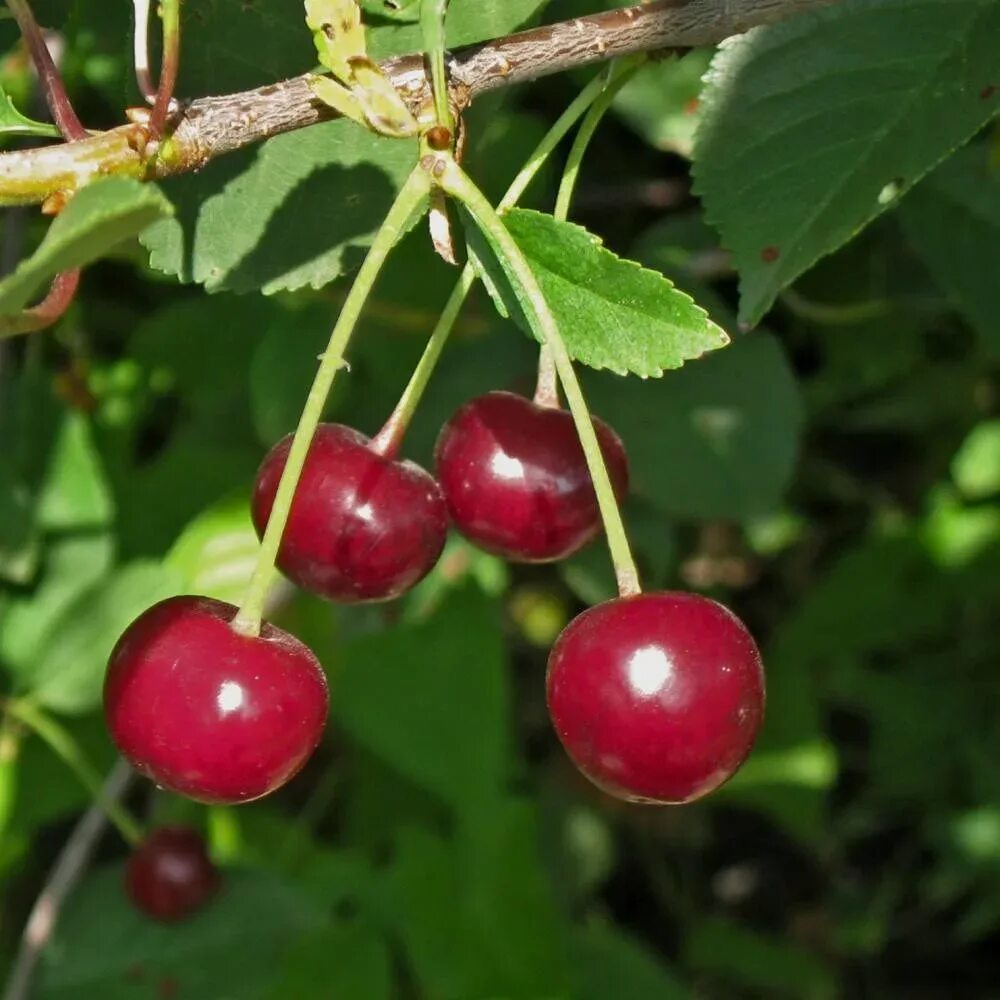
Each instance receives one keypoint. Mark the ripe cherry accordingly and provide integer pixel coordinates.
(516, 480)
(210, 713)
(362, 527)
(170, 874)
(658, 697)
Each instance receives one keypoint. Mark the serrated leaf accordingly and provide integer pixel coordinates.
(338, 33)
(98, 218)
(12, 122)
(297, 212)
(952, 220)
(613, 313)
(384, 108)
(814, 126)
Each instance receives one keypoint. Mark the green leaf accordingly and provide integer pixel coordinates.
(336, 962)
(952, 219)
(716, 439)
(661, 102)
(976, 466)
(75, 493)
(216, 553)
(104, 949)
(98, 218)
(72, 566)
(69, 673)
(299, 211)
(398, 692)
(338, 34)
(813, 126)
(12, 122)
(612, 313)
(607, 962)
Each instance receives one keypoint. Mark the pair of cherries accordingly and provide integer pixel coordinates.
(656, 697)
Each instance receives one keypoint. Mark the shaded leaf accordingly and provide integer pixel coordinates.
(812, 127)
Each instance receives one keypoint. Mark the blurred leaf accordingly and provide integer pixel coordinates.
(612, 313)
(69, 673)
(75, 494)
(953, 221)
(812, 127)
(104, 949)
(239, 223)
(976, 466)
(216, 553)
(72, 566)
(716, 439)
(662, 101)
(12, 122)
(431, 699)
(609, 963)
(338, 963)
(103, 214)
(777, 967)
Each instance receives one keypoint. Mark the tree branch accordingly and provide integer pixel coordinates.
(212, 126)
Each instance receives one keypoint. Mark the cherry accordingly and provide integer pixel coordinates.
(170, 874)
(362, 526)
(210, 713)
(516, 481)
(658, 697)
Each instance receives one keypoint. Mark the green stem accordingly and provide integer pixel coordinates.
(617, 75)
(388, 440)
(407, 203)
(65, 746)
(432, 15)
(457, 183)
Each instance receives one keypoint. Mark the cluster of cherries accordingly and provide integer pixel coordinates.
(656, 697)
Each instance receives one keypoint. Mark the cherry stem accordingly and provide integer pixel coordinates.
(58, 299)
(611, 80)
(170, 14)
(410, 201)
(64, 746)
(388, 440)
(459, 185)
(615, 77)
(48, 73)
(432, 17)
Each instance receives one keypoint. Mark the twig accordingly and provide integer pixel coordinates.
(62, 879)
(48, 73)
(212, 126)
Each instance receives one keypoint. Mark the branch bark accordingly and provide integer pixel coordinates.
(212, 126)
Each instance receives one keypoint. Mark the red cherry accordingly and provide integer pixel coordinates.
(516, 481)
(170, 874)
(210, 713)
(362, 527)
(656, 698)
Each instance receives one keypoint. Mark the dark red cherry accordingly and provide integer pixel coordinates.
(362, 527)
(170, 874)
(210, 713)
(516, 481)
(656, 698)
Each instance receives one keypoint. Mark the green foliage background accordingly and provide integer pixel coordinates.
(833, 475)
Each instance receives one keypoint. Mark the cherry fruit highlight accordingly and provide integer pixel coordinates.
(170, 875)
(516, 481)
(656, 698)
(208, 712)
(362, 526)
